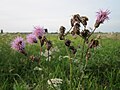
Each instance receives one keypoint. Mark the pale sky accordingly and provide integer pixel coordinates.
(23, 15)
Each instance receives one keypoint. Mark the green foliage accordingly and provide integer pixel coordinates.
(102, 72)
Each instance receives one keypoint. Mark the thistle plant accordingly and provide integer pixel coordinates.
(77, 21)
(85, 34)
(37, 36)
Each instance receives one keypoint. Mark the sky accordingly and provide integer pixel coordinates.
(23, 15)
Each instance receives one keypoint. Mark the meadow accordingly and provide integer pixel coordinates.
(102, 72)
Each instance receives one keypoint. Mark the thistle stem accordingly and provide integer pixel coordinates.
(70, 60)
(68, 31)
(48, 74)
(83, 50)
(40, 51)
(48, 55)
(92, 32)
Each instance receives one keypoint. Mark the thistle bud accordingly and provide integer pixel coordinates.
(44, 39)
(46, 30)
(67, 42)
(73, 49)
(48, 45)
(23, 52)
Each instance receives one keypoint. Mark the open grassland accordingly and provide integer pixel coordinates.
(102, 72)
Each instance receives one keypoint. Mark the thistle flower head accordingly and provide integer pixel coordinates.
(38, 32)
(101, 17)
(18, 44)
(31, 39)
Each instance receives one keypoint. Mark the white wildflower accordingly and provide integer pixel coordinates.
(46, 53)
(55, 49)
(38, 68)
(48, 59)
(56, 82)
(65, 56)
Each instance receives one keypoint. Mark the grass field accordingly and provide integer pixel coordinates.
(18, 72)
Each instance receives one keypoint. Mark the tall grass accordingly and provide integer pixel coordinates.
(101, 73)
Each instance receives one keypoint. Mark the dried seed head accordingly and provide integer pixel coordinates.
(85, 33)
(44, 39)
(93, 43)
(84, 20)
(76, 29)
(77, 25)
(74, 51)
(73, 33)
(72, 48)
(48, 45)
(33, 58)
(62, 29)
(61, 36)
(72, 22)
(76, 17)
(67, 42)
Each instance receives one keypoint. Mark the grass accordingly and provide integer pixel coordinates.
(101, 73)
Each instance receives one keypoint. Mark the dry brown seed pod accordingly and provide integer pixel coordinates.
(76, 17)
(34, 58)
(72, 48)
(84, 20)
(85, 33)
(48, 44)
(67, 42)
(93, 43)
(62, 29)
(44, 39)
(73, 32)
(61, 36)
(72, 21)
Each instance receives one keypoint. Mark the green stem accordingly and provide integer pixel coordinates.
(92, 32)
(70, 74)
(83, 50)
(48, 74)
(70, 60)
(40, 51)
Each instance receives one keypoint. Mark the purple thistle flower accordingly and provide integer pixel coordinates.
(101, 17)
(18, 44)
(31, 39)
(38, 32)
